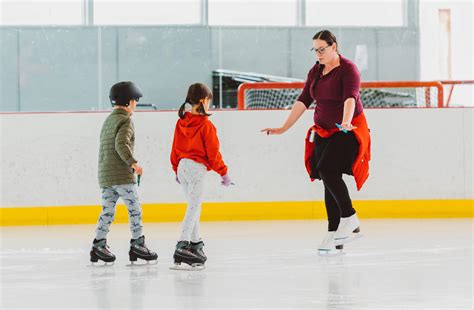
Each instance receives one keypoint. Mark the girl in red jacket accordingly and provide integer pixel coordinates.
(195, 151)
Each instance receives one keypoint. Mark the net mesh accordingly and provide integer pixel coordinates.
(370, 97)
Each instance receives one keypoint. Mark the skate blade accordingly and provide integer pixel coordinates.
(353, 237)
(101, 265)
(186, 267)
(141, 264)
(325, 253)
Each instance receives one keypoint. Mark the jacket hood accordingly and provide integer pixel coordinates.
(191, 124)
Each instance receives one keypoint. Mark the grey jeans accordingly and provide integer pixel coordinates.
(129, 195)
(191, 175)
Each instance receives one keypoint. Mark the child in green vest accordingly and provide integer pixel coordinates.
(117, 168)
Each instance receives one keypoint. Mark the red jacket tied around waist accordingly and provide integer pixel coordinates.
(195, 138)
(360, 167)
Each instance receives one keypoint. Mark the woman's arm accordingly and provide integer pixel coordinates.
(351, 90)
(296, 111)
(349, 108)
(348, 114)
(302, 103)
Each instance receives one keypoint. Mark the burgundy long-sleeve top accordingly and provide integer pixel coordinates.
(331, 91)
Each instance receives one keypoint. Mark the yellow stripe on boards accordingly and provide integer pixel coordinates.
(415, 208)
(240, 211)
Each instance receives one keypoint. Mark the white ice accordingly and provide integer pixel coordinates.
(398, 264)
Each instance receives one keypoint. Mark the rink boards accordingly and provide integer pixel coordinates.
(49, 167)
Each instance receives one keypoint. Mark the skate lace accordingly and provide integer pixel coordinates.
(143, 247)
(183, 246)
(105, 248)
(198, 251)
(146, 248)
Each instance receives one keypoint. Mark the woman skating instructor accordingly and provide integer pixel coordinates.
(339, 141)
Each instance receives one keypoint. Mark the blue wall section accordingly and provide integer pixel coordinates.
(58, 69)
(9, 79)
(164, 61)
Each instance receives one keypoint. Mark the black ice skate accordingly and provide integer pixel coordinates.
(101, 251)
(196, 248)
(184, 254)
(138, 249)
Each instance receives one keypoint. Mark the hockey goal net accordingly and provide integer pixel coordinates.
(278, 95)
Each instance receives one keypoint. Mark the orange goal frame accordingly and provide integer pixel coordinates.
(379, 84)
(453, 83)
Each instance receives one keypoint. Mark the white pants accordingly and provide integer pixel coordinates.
(191, 175)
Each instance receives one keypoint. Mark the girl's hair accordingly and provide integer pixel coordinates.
(327, 36)
(196, 93)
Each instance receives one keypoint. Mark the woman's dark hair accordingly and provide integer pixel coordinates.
(196, 93)
(330, 39)
(327, 36)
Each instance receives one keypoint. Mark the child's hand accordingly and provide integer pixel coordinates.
(226, 180)
(137, 168)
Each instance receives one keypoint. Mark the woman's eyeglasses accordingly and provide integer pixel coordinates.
(320, 50)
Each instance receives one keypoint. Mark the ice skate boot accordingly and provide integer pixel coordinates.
(138, 249)
(196, 248)
(101, 251)
(328, 246)
(348, 230)
(184, 254)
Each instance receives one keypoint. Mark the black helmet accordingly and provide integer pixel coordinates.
(122, 92)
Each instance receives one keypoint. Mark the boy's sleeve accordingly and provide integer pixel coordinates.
(211, 144)
(123, 142)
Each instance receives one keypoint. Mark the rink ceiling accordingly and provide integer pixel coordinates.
(415, 172)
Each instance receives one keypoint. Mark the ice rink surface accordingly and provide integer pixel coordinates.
(398, 264)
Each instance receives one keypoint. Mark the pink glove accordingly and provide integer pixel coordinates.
(226, 180)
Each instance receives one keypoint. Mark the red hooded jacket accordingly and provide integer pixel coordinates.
(195, 138)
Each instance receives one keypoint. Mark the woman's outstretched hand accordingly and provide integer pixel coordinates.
(274, 131)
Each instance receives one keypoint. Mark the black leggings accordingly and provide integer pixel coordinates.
(336, 197)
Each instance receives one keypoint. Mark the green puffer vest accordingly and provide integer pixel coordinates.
(117, 140)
